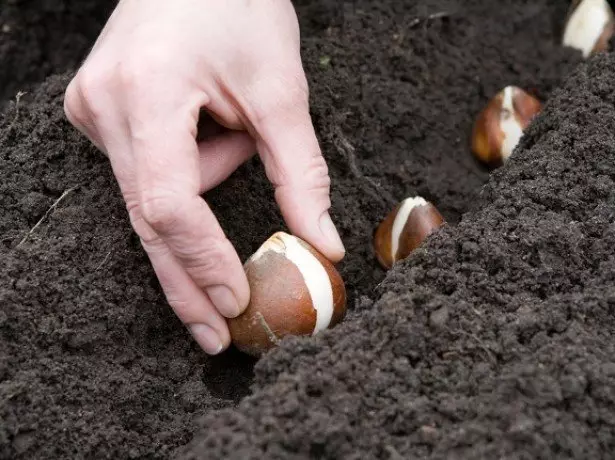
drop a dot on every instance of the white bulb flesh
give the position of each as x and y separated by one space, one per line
509 124
586 25
400 221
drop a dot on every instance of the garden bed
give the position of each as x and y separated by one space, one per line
494 340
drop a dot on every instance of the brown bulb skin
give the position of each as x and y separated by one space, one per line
603 42
294 290
500 125
405 229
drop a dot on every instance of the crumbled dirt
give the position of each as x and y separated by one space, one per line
492 341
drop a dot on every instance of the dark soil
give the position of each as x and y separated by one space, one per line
38 38
493 341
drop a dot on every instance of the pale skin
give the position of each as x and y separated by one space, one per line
138 96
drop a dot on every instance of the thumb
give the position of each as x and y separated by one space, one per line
287 144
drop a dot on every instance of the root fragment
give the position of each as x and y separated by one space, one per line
47 213
103 262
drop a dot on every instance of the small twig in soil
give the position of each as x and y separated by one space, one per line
47 213
274 339
18 97
431 17
103 262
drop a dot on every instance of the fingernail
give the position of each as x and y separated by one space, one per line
224 300
207 338
327 227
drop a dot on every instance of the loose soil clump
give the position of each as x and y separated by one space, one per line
492 341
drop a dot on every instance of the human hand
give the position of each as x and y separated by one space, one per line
138 96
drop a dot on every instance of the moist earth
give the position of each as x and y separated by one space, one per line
494 340
38 38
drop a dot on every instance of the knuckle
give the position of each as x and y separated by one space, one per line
91 86
298 87
72 106
153 245
181 308
318 172
312 176
277 95
159 209
149 62
149 239
209 261
131 74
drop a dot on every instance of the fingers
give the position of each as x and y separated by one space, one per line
289 149
138 97
193 308
168 185
222 155
197 266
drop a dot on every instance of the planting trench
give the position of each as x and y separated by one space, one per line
492 341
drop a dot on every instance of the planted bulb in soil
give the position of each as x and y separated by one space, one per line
405 229
500 125
294 290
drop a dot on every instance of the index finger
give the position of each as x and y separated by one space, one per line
167 162
287 144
